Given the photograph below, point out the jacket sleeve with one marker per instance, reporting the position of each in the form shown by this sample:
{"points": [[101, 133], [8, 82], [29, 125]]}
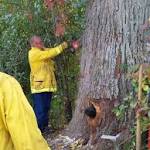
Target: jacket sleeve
{"points": [[20, 119], [47, 53]]}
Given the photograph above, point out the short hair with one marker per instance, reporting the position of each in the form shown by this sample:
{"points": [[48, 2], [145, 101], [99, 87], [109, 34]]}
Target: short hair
{"points": [[33, 38], [90, 111]]}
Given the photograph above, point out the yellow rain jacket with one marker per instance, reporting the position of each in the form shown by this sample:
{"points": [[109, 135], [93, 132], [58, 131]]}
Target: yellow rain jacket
{"points": [[18, 127], [42, 77]]}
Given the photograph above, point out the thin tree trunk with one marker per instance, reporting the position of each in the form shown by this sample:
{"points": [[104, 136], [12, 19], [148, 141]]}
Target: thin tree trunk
{"points": [[138, 116]]}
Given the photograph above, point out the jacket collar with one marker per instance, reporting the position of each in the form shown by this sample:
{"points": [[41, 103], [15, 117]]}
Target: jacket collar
{"points": [[35, 48]]}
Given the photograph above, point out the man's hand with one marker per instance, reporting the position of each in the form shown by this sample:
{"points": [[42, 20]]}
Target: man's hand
{"points": [[64, 45]]}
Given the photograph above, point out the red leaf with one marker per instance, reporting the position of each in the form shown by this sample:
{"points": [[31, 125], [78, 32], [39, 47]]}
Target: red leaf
{"points": [[60, 29], [60, 2], [30, 17], [49, 4]]}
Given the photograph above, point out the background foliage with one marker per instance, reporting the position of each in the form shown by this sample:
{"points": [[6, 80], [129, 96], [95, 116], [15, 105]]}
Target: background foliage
{"points": [[126, 111], [20, 19]]}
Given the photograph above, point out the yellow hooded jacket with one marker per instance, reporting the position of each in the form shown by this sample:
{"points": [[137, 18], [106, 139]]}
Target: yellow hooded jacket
{"points": [[42, 77], [18, 127]]}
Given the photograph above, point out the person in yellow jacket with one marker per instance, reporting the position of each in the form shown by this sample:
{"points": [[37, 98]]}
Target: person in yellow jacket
{"points": [[42, 77], [18, 126]]}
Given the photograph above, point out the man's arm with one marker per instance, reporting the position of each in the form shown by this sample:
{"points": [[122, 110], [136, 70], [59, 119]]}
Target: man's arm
{"points": [[49, 52]]}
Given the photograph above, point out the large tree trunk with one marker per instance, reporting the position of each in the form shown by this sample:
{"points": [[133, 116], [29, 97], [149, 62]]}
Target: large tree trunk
{"points": [[111, 44]]}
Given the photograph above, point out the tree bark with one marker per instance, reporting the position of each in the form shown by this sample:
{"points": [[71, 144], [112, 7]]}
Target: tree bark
{"points": [[112, 43]]}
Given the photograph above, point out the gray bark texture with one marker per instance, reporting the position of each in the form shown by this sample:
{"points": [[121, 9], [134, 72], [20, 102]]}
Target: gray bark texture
{"points": [[112, 43]]}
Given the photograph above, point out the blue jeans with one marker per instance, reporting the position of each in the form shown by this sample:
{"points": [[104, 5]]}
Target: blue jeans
{"points": [[41, 106]]}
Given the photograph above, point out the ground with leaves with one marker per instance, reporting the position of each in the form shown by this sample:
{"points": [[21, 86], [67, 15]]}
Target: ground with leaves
{"points": [[58, 141]]}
